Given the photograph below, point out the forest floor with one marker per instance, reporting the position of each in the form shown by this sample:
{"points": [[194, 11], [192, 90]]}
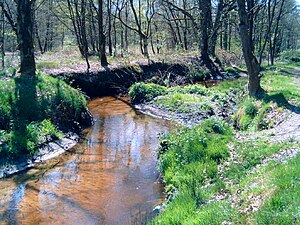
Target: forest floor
{"points": [[69, 60]]}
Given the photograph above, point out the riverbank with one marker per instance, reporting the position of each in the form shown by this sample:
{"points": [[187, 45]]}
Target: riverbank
{"points": [[48, 151], [43, 130], [213, 176]]}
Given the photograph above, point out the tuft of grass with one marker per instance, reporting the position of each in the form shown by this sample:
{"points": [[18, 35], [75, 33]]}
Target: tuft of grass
{"points": [[141, 92], [40, 132], [245, 114]]}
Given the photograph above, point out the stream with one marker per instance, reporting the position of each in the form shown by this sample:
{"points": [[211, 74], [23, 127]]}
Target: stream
{"points": [[108, 178]]}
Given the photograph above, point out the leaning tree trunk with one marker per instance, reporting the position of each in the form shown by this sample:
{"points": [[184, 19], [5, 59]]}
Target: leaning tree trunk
{"points": [[251, 62], [25, 36]]}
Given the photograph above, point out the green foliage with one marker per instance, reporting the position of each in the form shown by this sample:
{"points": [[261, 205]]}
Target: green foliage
{"points": [[251, 154], [189, 89], [184, 103], [283, 206], [141, 92], [187, 158], [215, 125], [39, 133], [7, 97], [279, 82], [59, 101], [225, 86], [197, 72], [290, 56], [232, 72]]}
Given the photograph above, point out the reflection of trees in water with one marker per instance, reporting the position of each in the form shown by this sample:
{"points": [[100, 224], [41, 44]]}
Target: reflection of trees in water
{"points": [[10, 215]]}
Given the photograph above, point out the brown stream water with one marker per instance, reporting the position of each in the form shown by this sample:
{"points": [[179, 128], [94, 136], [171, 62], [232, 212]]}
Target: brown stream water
{"points": [[109, 178]]}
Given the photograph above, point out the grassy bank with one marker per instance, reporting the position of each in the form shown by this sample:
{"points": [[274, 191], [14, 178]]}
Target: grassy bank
{"points": [[214, 179], [216, 173], [33, 111]]}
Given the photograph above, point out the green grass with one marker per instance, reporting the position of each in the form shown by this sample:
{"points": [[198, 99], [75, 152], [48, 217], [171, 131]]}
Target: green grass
{"points": [[282, 92], [250, 154], [187, 158], [190, 99], [141, 92], [32, 110], [283, 206]]}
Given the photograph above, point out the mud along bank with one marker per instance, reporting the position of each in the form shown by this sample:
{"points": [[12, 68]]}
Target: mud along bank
{"points": [[118, 80]]}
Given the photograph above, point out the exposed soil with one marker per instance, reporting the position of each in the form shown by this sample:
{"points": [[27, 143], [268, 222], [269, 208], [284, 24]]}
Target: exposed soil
{"points": [[117, 80]]}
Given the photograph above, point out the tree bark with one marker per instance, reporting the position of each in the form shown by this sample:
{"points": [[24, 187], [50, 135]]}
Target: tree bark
{"points": [[205, 7], [109, 27], [25, 36], [103, 58], [251, 62]]}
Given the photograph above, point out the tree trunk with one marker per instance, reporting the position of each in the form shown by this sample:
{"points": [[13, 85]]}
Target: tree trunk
{"points": [[25, 36], [216, 28], [251, 62], [25, 109], [205, 7], [83, 34], [145, 46], [102, 54], [109, 27], [250, 13]]}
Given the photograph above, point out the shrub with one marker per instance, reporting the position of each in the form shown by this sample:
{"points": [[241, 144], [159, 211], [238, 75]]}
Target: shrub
{"points": [[197, 72], [250, 108], [141, 92], [195, 89]]}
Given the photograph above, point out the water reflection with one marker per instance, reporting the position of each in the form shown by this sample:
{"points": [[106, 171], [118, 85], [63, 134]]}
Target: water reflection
{"points": [[105, 180]]}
